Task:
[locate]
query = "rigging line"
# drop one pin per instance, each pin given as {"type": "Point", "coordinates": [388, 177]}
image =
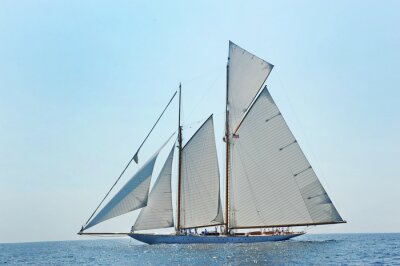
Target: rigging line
{"type": "Point", "coordinates": [201, 120]}
{"type": "Point", "coordinates": [302, 131]}
{"type": "Point", "coordinates": [248, 109]}
{"type": "Point", "coordinates": [193, 79]}
{"type": "Point", "coordinates": [151, 130]}
{"type": "Point", "coordinates": [193, 123]}
{"type": "Point", "coordinates": [205, 93]}
{"type": "Point", "coordinates": [133, 158]}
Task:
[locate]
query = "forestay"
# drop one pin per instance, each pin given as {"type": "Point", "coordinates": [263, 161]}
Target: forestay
{"type": "Point", "coordinates": [132, 196]}
{"type": "Point", "coordinates": [246, 75]}
{"type": "Point", "coordinates": [271, 181]}
{"type": "Point", "coordinates": [200, 192]}
{"type": "Point", "coordinates": [158, 212]}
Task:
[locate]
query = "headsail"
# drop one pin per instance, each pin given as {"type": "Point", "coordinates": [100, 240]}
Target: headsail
{"type": "Point", "coordinates": [271, 182]}
{"type": "Point", "coordinates": [158, 212]}
{"type": "Point", "coordinates": [201, 205]}
{"type": "Point", "coordinates": [246, 75]}
{"type": "Point", "coordinates": [132, 196]}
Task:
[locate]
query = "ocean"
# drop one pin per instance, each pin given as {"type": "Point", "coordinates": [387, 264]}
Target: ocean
{"type": "Point", "coordinates": [323, 249]}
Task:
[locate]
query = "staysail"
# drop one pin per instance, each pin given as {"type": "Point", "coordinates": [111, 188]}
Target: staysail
{"type": "Point", "coordinates": [201, 204]}
{"type": "Point", "coordinates": [132, 196]}
{"type": "Point", "coordinates": [246, 75]}
{"type": "Point", "coordinates": [158, 212]}
{"type": "Point", "coordinates": [271, 181]}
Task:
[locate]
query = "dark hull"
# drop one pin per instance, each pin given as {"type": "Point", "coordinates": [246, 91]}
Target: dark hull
{"type": "Point", "coordinates": [196, 239]}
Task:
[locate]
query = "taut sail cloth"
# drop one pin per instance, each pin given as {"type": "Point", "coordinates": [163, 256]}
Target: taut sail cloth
{"type": "Point", "coordinates": [246, 75]}
{"type": "Point", "coordinates": [271, 181]}
{"type": "Point", "coordinates": [158, 212]}
{"type": "Point", "coordinates": [201, 204]}
{"type": "Point", "coordinates": [132, 196]}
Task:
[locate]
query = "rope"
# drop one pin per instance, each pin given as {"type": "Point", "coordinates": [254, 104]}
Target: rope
{"type": "Point", "coordinates": [190, 125]}
{"type": "Point", "coordinates": [151, 130]}
{"type": "Point", "coordinates": [133, 158]}
{"type": "Point", "coordinates": [206, 93]}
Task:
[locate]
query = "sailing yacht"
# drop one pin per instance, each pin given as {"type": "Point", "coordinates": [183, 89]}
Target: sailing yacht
{"type": "Point", "coordinates": [270, 186]}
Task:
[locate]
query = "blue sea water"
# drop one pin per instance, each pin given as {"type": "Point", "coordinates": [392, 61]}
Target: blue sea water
{"type": "Point", "coordinates": [332, 249]}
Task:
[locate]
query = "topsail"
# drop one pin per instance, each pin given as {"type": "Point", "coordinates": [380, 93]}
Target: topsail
{"type": "Point", "coordinates": [246, 75]}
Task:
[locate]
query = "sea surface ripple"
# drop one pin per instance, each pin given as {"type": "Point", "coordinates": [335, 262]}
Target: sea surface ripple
{"type": "Point", "coordinates": [323, 249]}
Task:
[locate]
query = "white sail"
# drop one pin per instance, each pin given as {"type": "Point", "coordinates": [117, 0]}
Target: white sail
{"type": "Point", "coordinates": [246, 75]}
{"type": "Point", "coordinates": [158, 212]}
{"type": "Point", "coordinates": [271, 181]}
{"type": "Point", "coordinates": [132, 196]}
{"type": "Point", "coordinates": [200, 194]}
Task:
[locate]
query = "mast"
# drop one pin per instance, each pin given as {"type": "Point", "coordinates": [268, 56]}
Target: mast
{"type": "Point", "coordinates": [178, 227]}
{"type": "Point", "coordinates": [227, 153]}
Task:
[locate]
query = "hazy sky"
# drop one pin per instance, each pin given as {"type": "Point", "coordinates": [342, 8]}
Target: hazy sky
{"type": "Point", "coordinates": [81, 82]}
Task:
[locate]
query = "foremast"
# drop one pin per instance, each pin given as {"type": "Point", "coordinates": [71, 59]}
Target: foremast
{"type": "Point", "coordinates": [198, 171]}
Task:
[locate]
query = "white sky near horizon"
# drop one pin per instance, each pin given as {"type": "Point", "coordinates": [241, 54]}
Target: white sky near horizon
{"type": "Point", "coordinates": [81, 83]}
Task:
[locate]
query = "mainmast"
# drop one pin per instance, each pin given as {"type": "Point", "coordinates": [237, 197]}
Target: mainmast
{"type": "Point", "coordinates": [178, 227]}
{"type": "Point", "coordinates": [227, 153]}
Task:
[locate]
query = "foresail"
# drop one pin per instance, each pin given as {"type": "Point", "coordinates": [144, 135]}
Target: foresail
{"type": "Point", "coordinates": [158, 212]}
{"type": "Point", "coordinates": [271, 181]}
{"type": "Point", "coordinates": [246, 75]}
{"type": "Point", "coordinates": [132, 196]}
{"type": "Point", "coordinates": [201, 204]}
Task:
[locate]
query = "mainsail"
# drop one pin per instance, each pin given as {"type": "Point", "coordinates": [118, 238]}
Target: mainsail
{"type": "Point", "coordinates": [271, 181]}
{"type": "Point", "coordinates": [201, 205]}
{"type": "Point", "coordinates": [158, 212]}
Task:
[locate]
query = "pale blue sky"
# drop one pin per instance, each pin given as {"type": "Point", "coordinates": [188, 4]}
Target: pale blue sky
{"type": "Point", "coordinates": [81, 82]}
